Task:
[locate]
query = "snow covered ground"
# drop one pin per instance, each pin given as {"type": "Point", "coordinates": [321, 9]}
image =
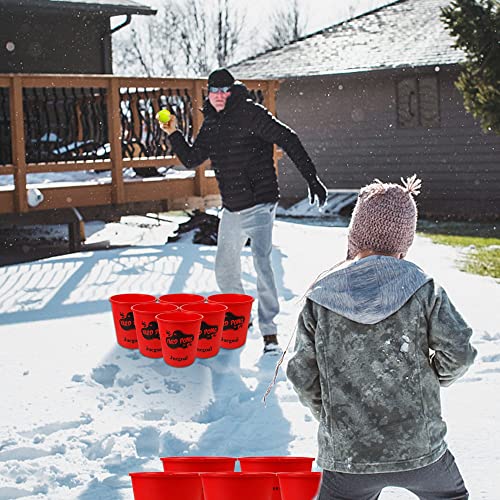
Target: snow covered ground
{"type": "Point", "coordinates": [79, 413]}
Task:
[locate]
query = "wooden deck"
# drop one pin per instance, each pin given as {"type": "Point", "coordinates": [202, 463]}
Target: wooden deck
{"type": "Point", "coordinates": [47, 115]}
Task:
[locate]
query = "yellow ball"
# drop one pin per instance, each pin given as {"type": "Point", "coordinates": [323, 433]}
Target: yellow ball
{"type": "Point", "coordinates": [164, 116]}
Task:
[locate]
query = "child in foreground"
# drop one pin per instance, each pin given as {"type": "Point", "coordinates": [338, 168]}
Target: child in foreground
{"type": "Point", "coordinates": [376, 340]}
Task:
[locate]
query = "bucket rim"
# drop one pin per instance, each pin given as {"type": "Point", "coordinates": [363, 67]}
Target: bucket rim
{"type": "Point", "coordinates": [120, 298]}
{"type": "Point", "coordinates": [276, 459]}
{"type": "Point", "coordinates": [138, 307]}
{"type": "Point", "coordinates": [197, 457]}
{"type": "Point", "coordinates": [193, 316]}
{"type": "Point", "coordinates": [164, 475]}
{"type": "Point", "coordinates": [230, 298]}
{"type": "Point", "coordinates": [238, 475]}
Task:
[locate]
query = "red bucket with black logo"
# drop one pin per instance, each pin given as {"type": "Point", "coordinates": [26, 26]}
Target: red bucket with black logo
{"type": "Point", "coordinates": [180, 299]}
{"type": "Point", "coordinates": [179, 332]}
{"type": "Point", "coordinates": [146, 327]}
{"type": "Point", "coordinates": [166, 486]}
{"type": "Point", "coordinates": [299, 485]}
{"type": "Point", "coordinates": [198, 464]}
{"type": "Point", "coordinates": [123, 317]}
{"type": "Point", "coordinates": [276, 464]}
{"type": "Point", "coordinates": [211, 326]}
{"type": "Point", "coordinates": [239, 307]}
{"type": "Point", "coordinates": [238, 485]}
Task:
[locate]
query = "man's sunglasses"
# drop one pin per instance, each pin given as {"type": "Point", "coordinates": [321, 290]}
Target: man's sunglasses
{"type": "Point", "coordinates": [215, 90]}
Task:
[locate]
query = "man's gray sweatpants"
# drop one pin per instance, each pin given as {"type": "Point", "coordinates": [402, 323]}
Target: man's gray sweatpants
{"type": "Point", "coordinates": [235, 228]}
{"type": "Point", "coordinates": [438, 481]}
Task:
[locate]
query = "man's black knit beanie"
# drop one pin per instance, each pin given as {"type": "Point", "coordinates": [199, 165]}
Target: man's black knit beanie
{"type": "Point", "coordinates": [220, 78]}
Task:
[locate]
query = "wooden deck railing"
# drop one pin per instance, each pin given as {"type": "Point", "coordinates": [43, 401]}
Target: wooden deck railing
{"type": "Point", "coordinates": [62, 123]}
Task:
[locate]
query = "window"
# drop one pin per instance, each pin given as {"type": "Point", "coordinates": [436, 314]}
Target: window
{"type": "Point", "coordinates": [418, 102]}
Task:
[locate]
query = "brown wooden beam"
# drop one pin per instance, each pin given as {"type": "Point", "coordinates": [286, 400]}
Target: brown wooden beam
{"type": "Point", "coordinates": [18, 143]}
{"type": "Point", "coordinates": [199, 180]}
{"type": "Point", "coordinates": [167, 161]}
{"type": "Point", "coordinates": [115, 140]}
{"type": "Point", "coordinates": [67, 166]}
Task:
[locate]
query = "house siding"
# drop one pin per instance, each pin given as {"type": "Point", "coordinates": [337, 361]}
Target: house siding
{"type": "Point", "coordinates": [54, 43]}
{"type": "Point", "coordinates": [349, 125]}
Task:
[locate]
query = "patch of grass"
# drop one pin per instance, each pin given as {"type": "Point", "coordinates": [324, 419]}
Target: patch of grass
{"type": "Point", "coordinates": [481, 244]}
{"type": "Point", "coordinates": [483, 261]}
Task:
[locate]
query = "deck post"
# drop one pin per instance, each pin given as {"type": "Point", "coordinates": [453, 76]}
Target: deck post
{"type": "Point", "coordinates": [199, 178]}
{"type": "Point", "coordinates": [115, 141]}
{"type": "Point", "coordinates": [18, 144]}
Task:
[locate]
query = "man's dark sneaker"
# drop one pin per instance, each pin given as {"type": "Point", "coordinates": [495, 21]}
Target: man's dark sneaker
{"type": "Point", "coordinates": [271, 345]}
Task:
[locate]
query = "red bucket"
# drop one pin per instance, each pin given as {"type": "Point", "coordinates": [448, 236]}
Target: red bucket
{"type": "Point", "coordinates": [179, 332]}
{"type": "Point", "coordinates": [238, 485]}
{"type": "Point", "coordinates": [121, 305]}
{"type": "Point", "coordinates": [299, 485]}
{"type": "Point", "coordinates": [276, 464]}
{"type": "Point", "coordinates": [179, 299]}
{"type": "Point", "coordinates": [234, 333]}
{"type": "Point", "coordinates": [211, 326]}
{"type": "Point", "coordinates": [198, 464]}
{"type": "Point", "coordinates": [165, 486]}
{"type": "Point", "coordinates": [148, 335]}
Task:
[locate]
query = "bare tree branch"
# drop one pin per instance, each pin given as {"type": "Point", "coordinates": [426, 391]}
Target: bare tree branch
{"type": "Point", "coordinates": [287, 25]}
{"type": "Point", "coordinates": [186, 37]}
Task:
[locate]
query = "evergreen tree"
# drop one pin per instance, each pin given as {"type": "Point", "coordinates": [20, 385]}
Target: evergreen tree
{"type": "Point", "coordinates": [475, 24]}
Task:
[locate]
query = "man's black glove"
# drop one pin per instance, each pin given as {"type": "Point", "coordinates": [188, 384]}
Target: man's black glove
{"type": "Point", "coordinates": [317, 190]}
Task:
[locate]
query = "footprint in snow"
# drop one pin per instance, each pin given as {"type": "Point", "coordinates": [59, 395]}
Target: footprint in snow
{"type": "Point", "coordinates": [105, 375]}
{"type": "Point", "coordinates": [491, 359]}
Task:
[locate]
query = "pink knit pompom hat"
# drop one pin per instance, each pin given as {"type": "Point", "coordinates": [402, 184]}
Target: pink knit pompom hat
{"type": "Point", "coordinates": [384, 218]}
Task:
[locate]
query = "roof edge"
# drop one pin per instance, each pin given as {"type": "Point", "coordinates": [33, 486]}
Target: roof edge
{"type": "Point", "coordinates": [318, 32]}
{"type": "Point", "coordinates": [108, 8]}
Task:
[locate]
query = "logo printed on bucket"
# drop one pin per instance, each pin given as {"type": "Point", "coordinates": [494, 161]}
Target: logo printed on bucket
{"type": "Point", "coordinates": [208, 331]}
{"type": "Point", "coordinates": [173, 358]}
{"type": "Point", "coordinates": [127, 322]}
{"type": "Point", "coordinates": [232, 322]}
{"type": "Point", "coordinates": [178, 339]}
{"type": "Point", "coordinates": [230, 341]}
{"type": "Point", "coordinates": [150, 332]}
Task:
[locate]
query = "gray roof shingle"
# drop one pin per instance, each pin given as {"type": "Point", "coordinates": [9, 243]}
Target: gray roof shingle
{"type": "Point", "coordinates": [404, 33]}
{"type": "Point", "coordinates": [110, 7]}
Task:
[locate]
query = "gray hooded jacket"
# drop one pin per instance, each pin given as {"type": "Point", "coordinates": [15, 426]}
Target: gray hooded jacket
{"type": "Point", "coordinates": [375, 340]}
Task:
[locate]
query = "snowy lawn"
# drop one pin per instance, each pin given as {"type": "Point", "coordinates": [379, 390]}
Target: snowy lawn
{"type": "Point", "coordinates": [79, 412]}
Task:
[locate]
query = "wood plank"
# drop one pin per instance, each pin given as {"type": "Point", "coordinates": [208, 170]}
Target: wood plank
{"type": "Point", "coordinates": [163, 83]}
{"type": "Point", "coordinates": [75, 196]}
{"type": "Point", "coordinates": [48, 81]}
{"type": "Point", "coordinates": [6, 170]}
{"type": "Point", "coordinates": [7, 205]}
{"type": "Point", "coordinates": [199, 179]}
{"type": "Point", "coordinates": [18, 143]}
{"type": "Point", "coordinates": [115, 131]}
{"type": "Point", "coordinates": [35, 168]}
{"type": "Point", "coordinates": [89, 195]}
{"type": "Point", "coordinates": [165, 161]}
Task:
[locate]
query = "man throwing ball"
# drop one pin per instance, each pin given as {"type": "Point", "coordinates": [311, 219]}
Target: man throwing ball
{"type": "Point", "coordinates": [238, 135]}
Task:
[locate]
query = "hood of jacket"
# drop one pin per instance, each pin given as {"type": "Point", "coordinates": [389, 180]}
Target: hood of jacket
{"type": "Point", "coordinates": [239, 93]}
{"type": "Point", "coordinates": [368, 290]}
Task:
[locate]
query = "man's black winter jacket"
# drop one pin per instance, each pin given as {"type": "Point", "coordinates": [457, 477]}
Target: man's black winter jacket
{"type": "Point", "coordinates": [239, 142]}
